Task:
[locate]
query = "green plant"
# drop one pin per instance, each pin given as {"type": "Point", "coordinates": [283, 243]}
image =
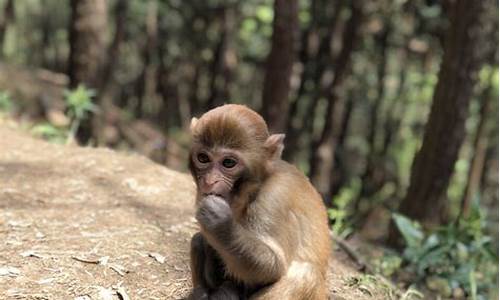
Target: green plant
{"type": "Point", "coordinates": [368, 284]}
{"type": "Point", "coordinates": [50, 132]}
{"type": "Point", "coordinates": [459, 256]}
{"type": "Point", "coordinates": [387, 264]}
{"type": "Point", "coordinates": [339, 212]}
{"type": "Point", "coordinates": [6, 103]}
{"type": "Point", "coordinates": [79, 105]}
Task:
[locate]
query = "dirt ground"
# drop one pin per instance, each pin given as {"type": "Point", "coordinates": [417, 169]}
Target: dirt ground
{"type": "Point", "coordinates": [85, 223]}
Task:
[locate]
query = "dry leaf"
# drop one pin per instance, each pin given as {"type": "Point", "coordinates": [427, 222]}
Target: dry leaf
{"type": "Point", "coordinates": [103, 260]}
{"type": "Point", "coordinates": [30, 253]}
{"type": "Point", "coordinates": [19, 224]}
{"type": "Point", "coordinates": [89, 260]}
{"type": "Point", "coordinates": [122, 293]}
{"type": "Point", "coordinates": [118, 269]}
{"type": "Point", "coordinates": [45, 281]}
{"type": "Point", "coordinates": [106, 294]}
{"type": "Point", "coordinates": [158, 257]}
{"type": "Point", "coordinates": [92, 259]}
{"type": "Point", "coordinates": [9, 271]}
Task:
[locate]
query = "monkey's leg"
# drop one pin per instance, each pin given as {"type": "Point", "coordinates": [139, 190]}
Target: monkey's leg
{"type": "Point", "coordinates": [227, 291]}
{"type": "Point", "coordinates": [213, 272]}
{"type": "Point", "coordinates": [197, 261]}
{"type": "Point", "coordinates": [207, 271]}
{"type": "Point", "coordinates": [300, 282]}
{"type": "Point", "coordinates": [222, 288]}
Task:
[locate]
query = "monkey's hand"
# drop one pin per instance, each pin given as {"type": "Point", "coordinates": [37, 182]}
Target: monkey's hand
{"type": "Point", "coordinates": [214, 214]}
{"type": "Point", "coordinates": [199, 293]}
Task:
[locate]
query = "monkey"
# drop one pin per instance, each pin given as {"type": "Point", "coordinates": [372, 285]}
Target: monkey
{"type": "Point", "coordinates": [263, 226]}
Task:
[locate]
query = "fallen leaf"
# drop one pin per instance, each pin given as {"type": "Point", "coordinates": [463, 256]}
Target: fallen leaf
{"type": "Point", "coordinates": [106, 294]}
{"type": "Point", "coordinates": [30, 253]}
{"type": "Point", "coordinates": [14, 242]}
{"type": "Point", "coordinates": [122, 293]}
{"type": "Point", "coordinates": [92, 259]}
{"type": "Point", "coordinates": [9, 271]}
{"type": "Point", "coordinates": [118, 269]}
{"type": "Point", "coordinates": [157, 256]}
{"type": "Point", "coordinates": [19, 224]}
{"type": "Point", "coordinates": [45, 281]}
{"type": "Point", "coordinates": [87, 259]}
{"type": "Point", "coordinates": [103, 260]}
{"type": "Point", "coordinates": [179, 269]}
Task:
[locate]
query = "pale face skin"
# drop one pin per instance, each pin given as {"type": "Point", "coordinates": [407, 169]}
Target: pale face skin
{"type": "Point", "coordinates": [216, 171]}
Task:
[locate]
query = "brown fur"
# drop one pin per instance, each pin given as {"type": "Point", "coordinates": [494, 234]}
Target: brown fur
{"type": "Point", "coordinates": [279, 243]}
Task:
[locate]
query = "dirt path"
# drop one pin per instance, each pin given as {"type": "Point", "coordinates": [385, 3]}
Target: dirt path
{"type": "Point", "coordinates": [85, 223]}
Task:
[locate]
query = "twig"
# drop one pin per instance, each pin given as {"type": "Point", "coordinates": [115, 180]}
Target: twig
{"type": "Point", "coordinates": [353, 254]}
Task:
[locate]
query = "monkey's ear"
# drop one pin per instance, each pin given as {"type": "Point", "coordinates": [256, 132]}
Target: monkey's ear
{"type": "Point", "coordinates": [193, 124]}
{"type": "Point", "coordinates": [274, 144]}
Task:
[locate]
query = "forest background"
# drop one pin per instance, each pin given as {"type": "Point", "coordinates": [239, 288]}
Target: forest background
{"type": "Point", "coordinates": [389, 106]}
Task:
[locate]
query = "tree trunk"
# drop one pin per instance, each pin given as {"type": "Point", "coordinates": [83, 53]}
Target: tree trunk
{"type": "Point", "coordinates": [224, 63]}
{"type": "Point", "coordinates": [147, 82]}
{"type": "Point", "coordinates": [340, 173]}
{"type": "Point", "coordinates": [193, 97]}
{"type": "Point", "coordinates": [397, 106]}
{"type": "Point", "coordinates": [479, 152]}
{"type": "Point", "coordinates": [7, 18]}
{"type": "Point", "coordinates": [323, 149]}
{"type": "Point", "coordinates": [174, 112]}
{"type": "Point", "coordinates": [433, 165]}
{"type": "Point", "coordinates": [373, 177]}
{"type": "Point", "coordinates": [113, 52]}
{"type": "Point", "coordinates": [316, 49]}
{"type": "Point", "coordinates": [46, 33]}
{"type": "Point", "coordinates": [489, 177]}
{"type": "Point", "coordinates": [275, 102]}
{"type": "Point", "coordinates": [87, 39]}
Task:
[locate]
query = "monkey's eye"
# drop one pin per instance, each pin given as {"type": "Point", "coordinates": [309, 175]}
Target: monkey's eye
{"type": "Point", "coordinates": [229, 163]}
{"type": "Point", "coordinates": [203, 158]}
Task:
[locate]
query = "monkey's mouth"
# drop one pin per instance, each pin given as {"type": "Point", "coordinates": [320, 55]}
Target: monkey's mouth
{"type": "Point", "coordinates": [214, 194]}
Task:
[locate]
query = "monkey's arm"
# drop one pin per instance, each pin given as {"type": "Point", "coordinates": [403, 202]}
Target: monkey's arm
{"type": "Point", "coordinates": [254, 258]}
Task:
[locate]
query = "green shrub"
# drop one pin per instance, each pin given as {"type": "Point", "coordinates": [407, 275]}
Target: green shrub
{"type": "Point", "coordinates": [79, 105]}
{"type": "Point", "coordinates": [338, 214]}
{"type": "Point", "coordinates": [6, 103]}
{"type": "Point", "coordinates": [459, 256]}
{"type": "Point", "coordinates": [50, 132]}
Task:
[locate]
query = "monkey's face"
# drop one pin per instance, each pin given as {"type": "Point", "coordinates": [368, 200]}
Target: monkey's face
{"type": "Point", "coordinates": [230, 150]}
{"type": "Point", "coordinates": [216, 171]}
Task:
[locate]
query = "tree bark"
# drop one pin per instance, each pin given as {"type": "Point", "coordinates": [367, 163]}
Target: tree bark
{"type": "Point", "coordinates": [479, 153]}
{"type": "Point", "coordinates": [275, 102]}
{"type": "Point", "coordinates": [113, 52]}
{"type": "Point", "coordinates": [87, 39]}
{"type": "Point", "coordinates": [147, 82]}
{"type": "Point", "coordinates": [488, 183]}
{"type": "Point", "coordinates": [323, 149]}
{"type": "Point", "coordinates": [340, 174]}
{"type": "Point", "coordinates": [225, 62]}
{"type": "Point", "coordinates": [7, 18]}
{"type": "Point", "coordinates": [396, 111]}
{"type": "Point", "coordinates": [433, 165]}
{"type": "Point", "coordinates": [316, 50]}
{"type": "Point", "coordinates": [373, 177]}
